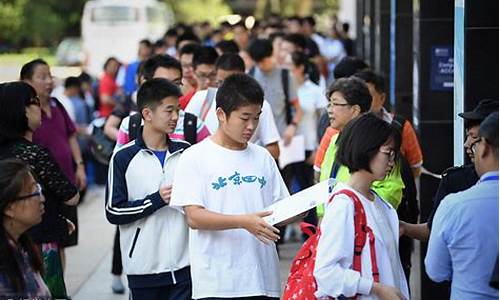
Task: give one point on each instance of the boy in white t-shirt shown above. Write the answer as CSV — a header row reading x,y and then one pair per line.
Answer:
x,y
224,184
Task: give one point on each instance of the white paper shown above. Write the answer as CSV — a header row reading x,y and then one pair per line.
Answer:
x,y
294,152
300,202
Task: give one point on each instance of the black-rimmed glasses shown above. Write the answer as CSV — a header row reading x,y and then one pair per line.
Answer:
x,y
38,193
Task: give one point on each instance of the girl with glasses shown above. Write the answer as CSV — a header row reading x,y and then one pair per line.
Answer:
x,y
367,147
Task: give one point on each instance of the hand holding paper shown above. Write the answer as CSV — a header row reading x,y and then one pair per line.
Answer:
x,y
299,202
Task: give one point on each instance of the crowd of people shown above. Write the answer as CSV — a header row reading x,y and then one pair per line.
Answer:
x,y
187,138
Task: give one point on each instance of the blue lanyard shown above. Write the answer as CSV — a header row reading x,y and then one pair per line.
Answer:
x,y
492,177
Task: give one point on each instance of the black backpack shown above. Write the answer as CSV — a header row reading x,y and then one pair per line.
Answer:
x,y
190,124
284,84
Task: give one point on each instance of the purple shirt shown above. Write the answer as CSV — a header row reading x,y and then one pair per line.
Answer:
x,y
54,134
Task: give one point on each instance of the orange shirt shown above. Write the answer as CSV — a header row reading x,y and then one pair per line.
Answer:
x,y
323,146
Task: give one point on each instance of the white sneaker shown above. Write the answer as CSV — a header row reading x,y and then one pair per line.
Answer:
x,y
117,285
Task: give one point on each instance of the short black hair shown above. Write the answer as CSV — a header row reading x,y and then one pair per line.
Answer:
x,y
187,36
190,48
156,61
227,46
230,62
28,69
171,33
361,139
260,49
238,90
310,20
275,35
160,43
310,69
146,43
349,66
14,98
85,77
369,76
72,81
297,39
153,91
206,55
354,91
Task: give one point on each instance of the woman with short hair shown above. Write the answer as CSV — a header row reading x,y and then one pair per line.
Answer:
x,y
367,147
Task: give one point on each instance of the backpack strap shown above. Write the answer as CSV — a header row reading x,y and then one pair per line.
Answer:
x,y
398,122
209,99
190,125
361,231
286,90
134,125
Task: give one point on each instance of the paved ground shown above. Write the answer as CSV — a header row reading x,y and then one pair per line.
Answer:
x,y
89,264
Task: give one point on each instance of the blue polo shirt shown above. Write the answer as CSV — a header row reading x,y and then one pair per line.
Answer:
x,y
463,245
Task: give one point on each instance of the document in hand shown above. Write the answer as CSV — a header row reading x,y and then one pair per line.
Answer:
x,y
300,202
293,152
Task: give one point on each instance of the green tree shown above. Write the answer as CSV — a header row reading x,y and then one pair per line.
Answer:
x,y
189,11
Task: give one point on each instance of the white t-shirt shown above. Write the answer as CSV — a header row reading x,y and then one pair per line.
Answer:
x,y
265,134
335,251
229,263
311,99
58,93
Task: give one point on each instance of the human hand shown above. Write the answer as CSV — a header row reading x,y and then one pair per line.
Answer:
x,y
71,227
385,292
289,134
402,226
165,193
255,224
81,177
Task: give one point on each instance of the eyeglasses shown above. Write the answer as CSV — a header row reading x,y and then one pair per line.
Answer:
x,y
330,104
473,145
204,76
34,101
38,193
390,153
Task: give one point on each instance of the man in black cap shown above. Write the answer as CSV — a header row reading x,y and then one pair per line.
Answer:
x,y
463,245
455,179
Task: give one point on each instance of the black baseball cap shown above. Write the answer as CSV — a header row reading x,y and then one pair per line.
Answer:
x,y
481,111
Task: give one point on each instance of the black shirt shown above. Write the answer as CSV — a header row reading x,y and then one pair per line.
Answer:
x,y
56,187
454,180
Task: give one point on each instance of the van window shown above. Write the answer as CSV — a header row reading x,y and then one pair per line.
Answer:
x,y
114,14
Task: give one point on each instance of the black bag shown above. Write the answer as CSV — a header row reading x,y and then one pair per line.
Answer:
x,y
101,146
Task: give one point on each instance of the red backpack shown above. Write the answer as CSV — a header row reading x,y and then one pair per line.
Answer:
x,y
301,284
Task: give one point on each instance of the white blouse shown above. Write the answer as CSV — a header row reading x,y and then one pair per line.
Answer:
x,y
333,269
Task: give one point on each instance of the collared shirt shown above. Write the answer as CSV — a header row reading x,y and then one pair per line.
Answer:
x,y
463,245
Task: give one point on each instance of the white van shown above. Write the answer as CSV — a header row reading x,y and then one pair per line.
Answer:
x,y
115,27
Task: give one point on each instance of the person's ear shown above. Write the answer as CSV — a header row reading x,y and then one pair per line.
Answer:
x,y
147,114
9,210
221,115
356,110
382,97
